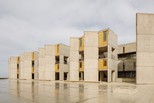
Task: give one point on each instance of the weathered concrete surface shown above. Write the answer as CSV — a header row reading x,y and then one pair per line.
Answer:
x,y
145,48
25,91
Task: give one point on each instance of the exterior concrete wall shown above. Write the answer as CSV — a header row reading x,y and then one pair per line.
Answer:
x,y
25,64
49,62
128,61
112,56
28,65
145,48
91,56
64,68
13,67
74,59
41,64
130,47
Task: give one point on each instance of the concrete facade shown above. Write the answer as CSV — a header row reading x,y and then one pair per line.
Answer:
x,y
127,62
53,62
13,67
28,65
93,57
145,48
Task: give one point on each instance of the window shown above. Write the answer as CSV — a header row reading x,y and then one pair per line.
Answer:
x,y
56,59
105,36
105,63
80,64
65,59
80,42
17,66
123,49
33,63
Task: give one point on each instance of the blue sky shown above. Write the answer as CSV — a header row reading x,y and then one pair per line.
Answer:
x,y
26,25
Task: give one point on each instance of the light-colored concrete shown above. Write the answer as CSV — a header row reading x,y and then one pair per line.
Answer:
x,y
12,67
91,56
25,91
145,48
129,47
47,61
74,59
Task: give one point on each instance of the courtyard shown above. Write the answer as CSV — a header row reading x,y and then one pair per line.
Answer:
x,y
24,91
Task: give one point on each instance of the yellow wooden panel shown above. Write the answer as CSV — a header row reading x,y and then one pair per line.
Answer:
x,y
33,56
101,64
82,66
18,60
101,41
56,50
33,69
56,67
81,47
17,71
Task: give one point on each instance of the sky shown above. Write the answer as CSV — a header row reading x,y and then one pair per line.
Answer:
x,y
26,25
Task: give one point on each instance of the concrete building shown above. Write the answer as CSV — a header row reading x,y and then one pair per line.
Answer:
x,y
13,67
93,57
53,62
28,65
127,64
145,48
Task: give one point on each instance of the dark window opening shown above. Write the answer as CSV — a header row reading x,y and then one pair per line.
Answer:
x,y
81,53
126,74
81,75
102,76
65,59
56,76
65,75
17,66
32,75
105,63
57,59
80,64
103,52
33,63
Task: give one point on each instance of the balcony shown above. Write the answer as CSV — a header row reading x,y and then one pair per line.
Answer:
x,y
102,64
81,66
56,67
102,38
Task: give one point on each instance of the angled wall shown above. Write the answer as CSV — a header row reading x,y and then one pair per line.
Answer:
x,y
145,48
41,64
74,59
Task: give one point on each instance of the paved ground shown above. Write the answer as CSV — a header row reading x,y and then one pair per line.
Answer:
x,y
14,91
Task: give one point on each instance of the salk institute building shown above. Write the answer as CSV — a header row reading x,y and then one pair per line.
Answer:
x,y
94,57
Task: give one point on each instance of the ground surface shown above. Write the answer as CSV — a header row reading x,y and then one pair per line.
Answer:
x,y
23,91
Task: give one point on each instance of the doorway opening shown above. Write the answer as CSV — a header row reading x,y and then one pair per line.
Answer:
x,y
32,75
56,76
81,75
17,76
65,75
102,76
